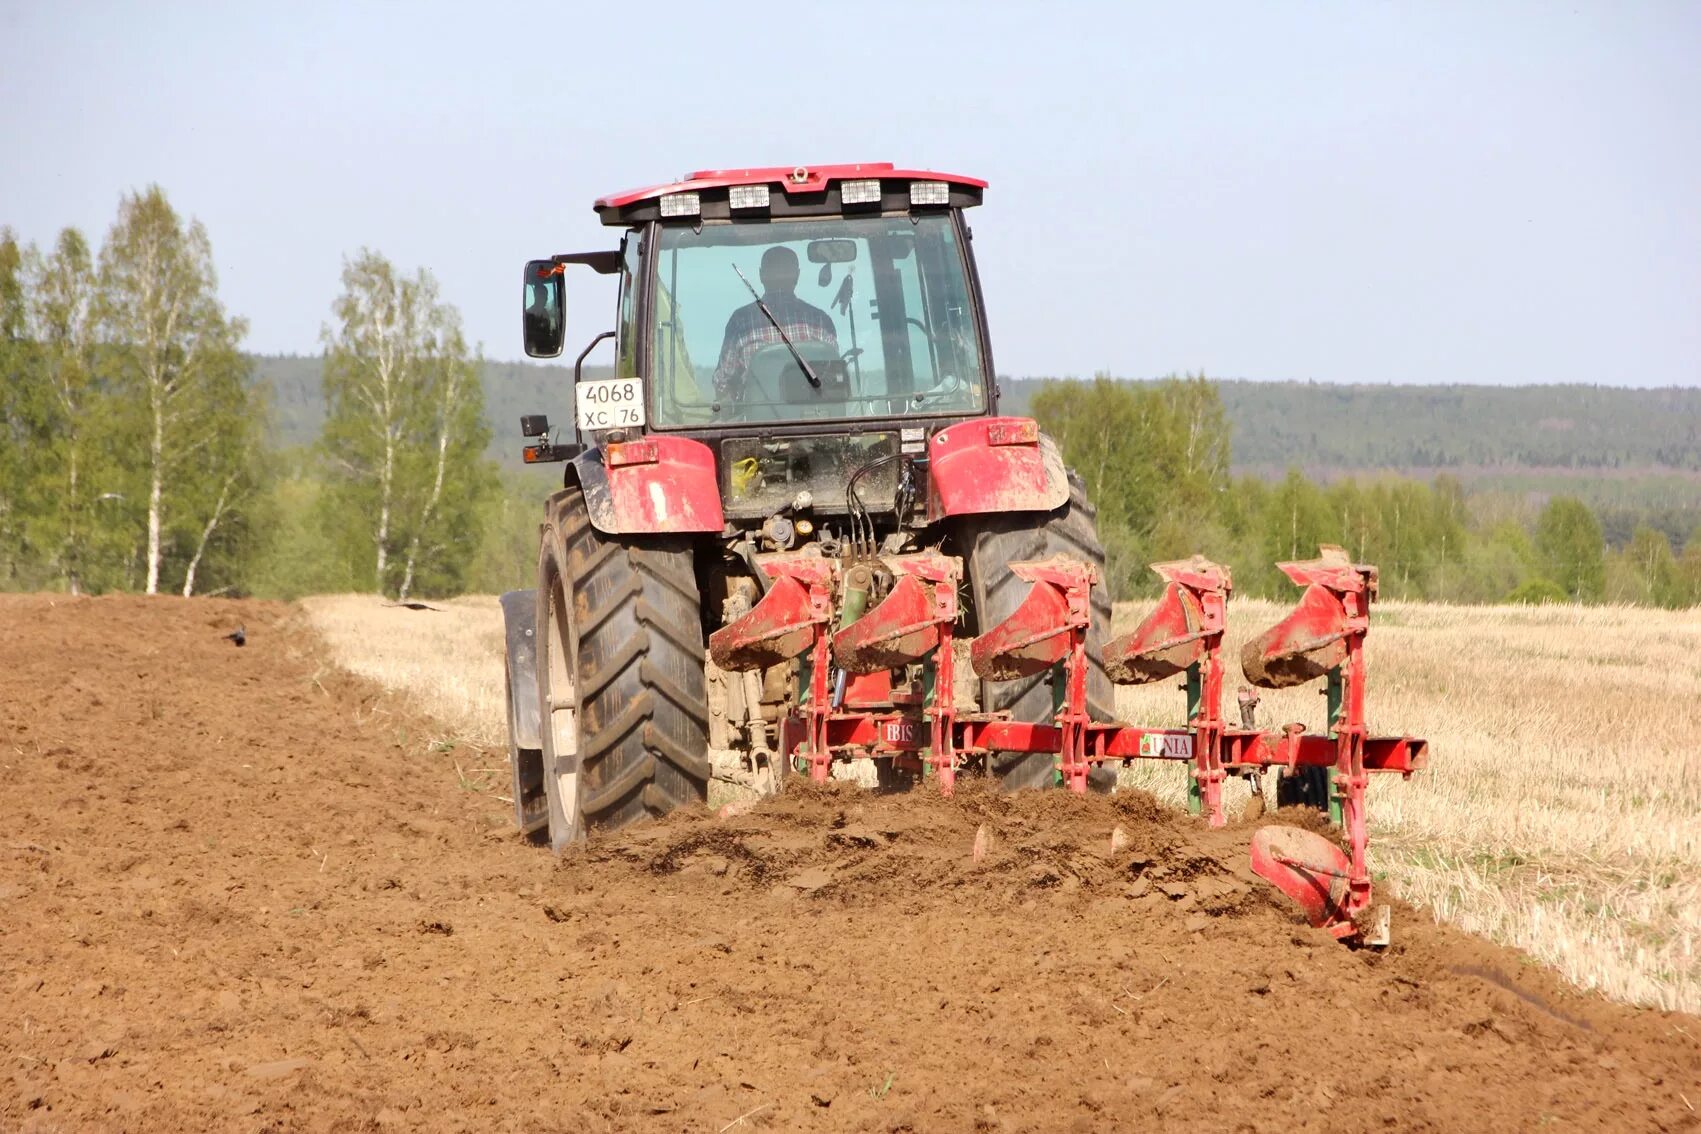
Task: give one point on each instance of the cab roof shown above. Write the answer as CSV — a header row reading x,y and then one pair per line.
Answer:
x,y
804,190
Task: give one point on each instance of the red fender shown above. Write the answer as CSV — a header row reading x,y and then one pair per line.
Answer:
x,y
653,484
993,464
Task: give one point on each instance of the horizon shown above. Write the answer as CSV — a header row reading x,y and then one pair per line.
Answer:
x,y
550,363
1361,196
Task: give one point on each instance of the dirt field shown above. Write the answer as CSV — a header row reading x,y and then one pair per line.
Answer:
x,y
239,890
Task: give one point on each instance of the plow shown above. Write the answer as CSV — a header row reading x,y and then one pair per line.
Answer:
x,y
899,652
810,486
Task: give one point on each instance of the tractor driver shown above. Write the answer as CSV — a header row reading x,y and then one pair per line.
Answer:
x,y
540,314
748,329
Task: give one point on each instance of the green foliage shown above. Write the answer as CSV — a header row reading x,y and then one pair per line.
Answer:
x,y
1154,459
1138,447
180,395
1496,560
1689,572
1534,592
1630,455
511,389
1646,572
507,553
1439,427
21,405
303,555
134,453
130,426
1571,549
405,432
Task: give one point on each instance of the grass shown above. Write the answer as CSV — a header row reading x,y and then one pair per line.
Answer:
x,y
1561,812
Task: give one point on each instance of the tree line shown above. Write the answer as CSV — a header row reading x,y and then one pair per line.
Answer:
x,y
1156,458
131,435
133,456
1441,427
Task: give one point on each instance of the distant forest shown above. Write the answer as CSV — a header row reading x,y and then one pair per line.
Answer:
x,y
1435,428
1275,424
1634,456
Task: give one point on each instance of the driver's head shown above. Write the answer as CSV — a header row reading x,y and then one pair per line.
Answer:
x,y
779,269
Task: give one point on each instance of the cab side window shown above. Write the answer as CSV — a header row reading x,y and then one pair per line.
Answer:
x,y
626,330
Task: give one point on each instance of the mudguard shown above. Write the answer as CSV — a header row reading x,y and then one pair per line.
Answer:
x,y
654,484
525,742
994,464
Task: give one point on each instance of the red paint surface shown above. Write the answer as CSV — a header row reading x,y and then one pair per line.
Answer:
x,y
663,484
977,467
815,180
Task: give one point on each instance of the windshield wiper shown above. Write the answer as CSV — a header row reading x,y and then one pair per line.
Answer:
x,y
808,371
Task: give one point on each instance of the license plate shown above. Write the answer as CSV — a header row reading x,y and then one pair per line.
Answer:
x,y
613,403
1167,746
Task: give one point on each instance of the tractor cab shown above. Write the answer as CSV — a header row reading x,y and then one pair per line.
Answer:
x,y
764,297
802,322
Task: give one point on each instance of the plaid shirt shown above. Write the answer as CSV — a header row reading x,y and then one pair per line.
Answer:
x,y
749,330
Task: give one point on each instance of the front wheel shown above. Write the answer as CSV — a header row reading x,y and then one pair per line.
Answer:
x,y
622,696
990,545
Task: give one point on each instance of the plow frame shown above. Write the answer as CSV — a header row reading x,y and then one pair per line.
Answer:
x,y
915,622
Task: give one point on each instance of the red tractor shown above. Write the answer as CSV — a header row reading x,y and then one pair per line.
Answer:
x,y
794,497
802,369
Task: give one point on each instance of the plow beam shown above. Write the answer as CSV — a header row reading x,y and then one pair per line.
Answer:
x,y
914,619
1177,633
785,621
1037,634
1184,634
1312,640
1324,637
905,626
1049,627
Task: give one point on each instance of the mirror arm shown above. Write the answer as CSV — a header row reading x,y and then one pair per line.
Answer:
x,y
578,363
603,263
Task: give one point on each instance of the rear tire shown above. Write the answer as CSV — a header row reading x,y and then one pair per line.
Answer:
x,y
990,545
622,695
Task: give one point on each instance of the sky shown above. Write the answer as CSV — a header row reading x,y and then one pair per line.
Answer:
x,y
1348,192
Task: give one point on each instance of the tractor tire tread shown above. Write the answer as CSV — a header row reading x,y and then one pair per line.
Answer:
x,y
642,689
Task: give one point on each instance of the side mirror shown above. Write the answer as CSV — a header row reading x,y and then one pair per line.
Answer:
x,y
534,424
545,316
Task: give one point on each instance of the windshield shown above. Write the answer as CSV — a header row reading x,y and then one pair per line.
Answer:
x,y
799,320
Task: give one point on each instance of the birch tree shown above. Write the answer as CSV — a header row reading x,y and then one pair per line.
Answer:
x,y
404,431
62,323
174,362
459,474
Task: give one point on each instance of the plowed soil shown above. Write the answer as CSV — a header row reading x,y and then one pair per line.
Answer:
x,y
241,892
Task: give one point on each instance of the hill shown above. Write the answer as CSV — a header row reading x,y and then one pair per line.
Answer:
x,y
1430,428
1276,424
510,389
